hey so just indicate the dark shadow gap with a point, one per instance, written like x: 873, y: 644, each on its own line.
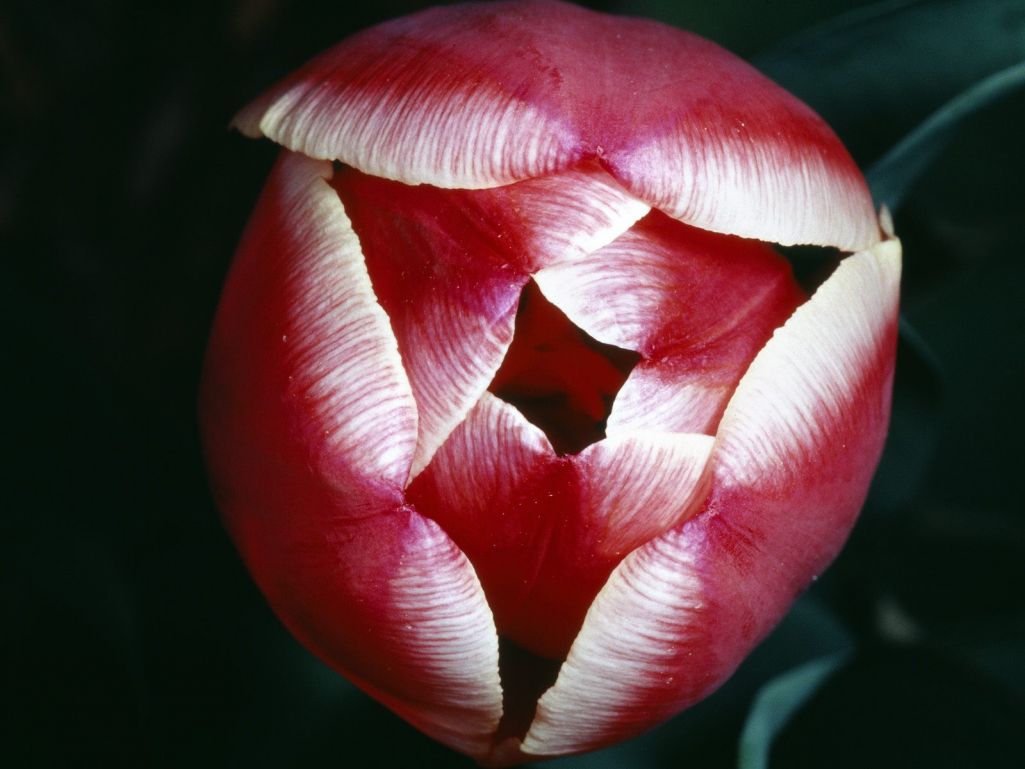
x: 560, y: 378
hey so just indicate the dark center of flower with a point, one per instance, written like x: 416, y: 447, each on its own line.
x: 560, y: 378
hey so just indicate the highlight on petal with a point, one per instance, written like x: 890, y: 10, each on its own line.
x: 386, y: 600
x: 309, y: 429
x: 792, y: 463
x: 300, y: 343
x: 544, y: 532
x: 424, y: 99
x: 448, y: 267
x: 482, y: 95
x: 697, y: 305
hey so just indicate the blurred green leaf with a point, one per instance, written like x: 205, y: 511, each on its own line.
x: 905, y: 706
x: 892, y: 176
x: 876, y: 73
x: 777, y: 702
x: 911, y: 442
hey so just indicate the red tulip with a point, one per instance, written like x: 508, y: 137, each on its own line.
x: 514, y: 414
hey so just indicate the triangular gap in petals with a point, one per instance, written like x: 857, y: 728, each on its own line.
x: 448, y: 267
x: 697, y: 305
x: 791, y: 467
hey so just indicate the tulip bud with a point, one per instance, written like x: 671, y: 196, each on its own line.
x: 513, y: 411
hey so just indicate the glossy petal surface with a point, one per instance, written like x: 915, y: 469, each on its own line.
x: 448, y: 267
x: 543, y: 531
x: 310, y: 428
x: 698, y: 306
x: 483, y: 95
x: 793, y: 458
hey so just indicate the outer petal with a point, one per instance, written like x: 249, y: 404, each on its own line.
x: 310, y: 426
x: 794, y: 456
x: 697, y: 305
x: 448, y: 266
x: 544, y: 532
x: 482, y: 95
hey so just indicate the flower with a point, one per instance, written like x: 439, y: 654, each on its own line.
x: 515, y: 415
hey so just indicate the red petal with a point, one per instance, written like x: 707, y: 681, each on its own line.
x: 698, y: 306
x: 309, y: 428
x: 448, y: 267
x: 793, y: 460
x: 544, y: 532
x: 482, y: 95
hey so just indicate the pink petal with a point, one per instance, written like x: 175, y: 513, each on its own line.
x: 697, y: 305
x: 794, y: 456
x: 448, y: 267
x: 309, y: 429
x: 544, y: 532
x: 483, y: 95
x: 299, y: 327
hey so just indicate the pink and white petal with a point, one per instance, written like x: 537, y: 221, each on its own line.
x: 669, y: 398
x: 696, y: 305
x: 309, y: 428
x: 483, y: 95
x: 490, y: 487
x: 448, y: 267
x: 544, y: 532
x: 565, y: 216
x: 793, y: 460
x: 301, y: 345
x: 386, y: 600
x: 636, y: 486
x: 424, y: 99
x: 771, y: 171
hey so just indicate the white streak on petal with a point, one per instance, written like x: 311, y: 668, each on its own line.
x: 793, y: 396
x: 570, y: 215
x: 339, y: 345
x: 442, y: 618
x: 637, y: 485
x: 397, y: 108
x: 763, y: 190
x: 791, y: 466
x: 457, y: 355
x: 651, y: 400
x: 626, y: 651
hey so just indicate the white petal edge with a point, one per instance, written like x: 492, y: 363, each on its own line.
x: 441, y: 612
x: 762, y: 190
x: 639, y: 484
x: 620, y: 677
x: 409, y: 122
x: 346, y: 361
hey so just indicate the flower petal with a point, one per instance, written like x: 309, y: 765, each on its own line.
x: 483, y: 95
x: 794, y: 456
x: 421, y: 99
x: 448, y: 267
x: 696, y: 305
x: 299, y: 329
x: 309, y: 429
x: 544, y: 532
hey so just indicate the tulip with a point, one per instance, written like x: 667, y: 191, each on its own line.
x: 514, y: 412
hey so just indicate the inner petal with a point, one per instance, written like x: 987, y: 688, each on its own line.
x: 559, y: 377
x: 697, y: 305
x: 448, y: 266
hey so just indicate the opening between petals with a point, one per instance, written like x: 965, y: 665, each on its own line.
x: 560, y: 378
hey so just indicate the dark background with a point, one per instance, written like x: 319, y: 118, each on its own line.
x: 133, y: 636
